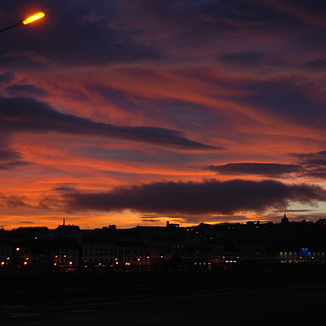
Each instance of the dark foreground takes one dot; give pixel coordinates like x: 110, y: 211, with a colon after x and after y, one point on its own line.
x: 255, y: 301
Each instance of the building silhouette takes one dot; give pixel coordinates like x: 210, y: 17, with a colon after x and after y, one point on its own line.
x: 201, y: 247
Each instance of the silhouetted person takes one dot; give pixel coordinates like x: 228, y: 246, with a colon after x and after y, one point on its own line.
x: 46, y: 277
x: 170, y: 266
x: 175, y: 263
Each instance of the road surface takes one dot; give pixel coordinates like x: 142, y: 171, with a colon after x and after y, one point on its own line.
x: 257, y: 304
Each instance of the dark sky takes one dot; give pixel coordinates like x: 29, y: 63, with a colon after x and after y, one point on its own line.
x: 137, y: 112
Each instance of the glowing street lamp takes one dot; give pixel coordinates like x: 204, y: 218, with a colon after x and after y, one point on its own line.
x: 26, y: 21
x: 33, y: 18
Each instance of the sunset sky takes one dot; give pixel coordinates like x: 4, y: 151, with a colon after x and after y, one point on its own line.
x: 135, y: 112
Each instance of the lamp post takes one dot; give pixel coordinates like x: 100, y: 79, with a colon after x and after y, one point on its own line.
x: 26, y: 21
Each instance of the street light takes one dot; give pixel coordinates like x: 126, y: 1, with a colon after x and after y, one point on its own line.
x: 26, y: 21
x: 33, y: 18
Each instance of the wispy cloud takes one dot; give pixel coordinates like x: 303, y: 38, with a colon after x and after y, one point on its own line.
x: 26, y: 90
x: 314, y: 164
x: 263, y: 169
x: 26, y: 114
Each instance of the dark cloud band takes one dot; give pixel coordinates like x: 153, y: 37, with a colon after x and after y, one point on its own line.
x: 26, y: 114
x: 210, y: 196
x: 263, y: 169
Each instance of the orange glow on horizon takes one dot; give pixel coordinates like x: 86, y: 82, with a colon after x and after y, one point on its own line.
x: 33, y: 18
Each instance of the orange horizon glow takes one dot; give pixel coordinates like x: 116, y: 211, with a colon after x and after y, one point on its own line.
x: 33, y: 18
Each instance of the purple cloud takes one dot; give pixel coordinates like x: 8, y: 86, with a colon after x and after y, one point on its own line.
x: 10, y: 159
x: 314, y: 164
x: 208, y: 197
x: 26, y: 90
x: 263, y: 169
x: 26, y: 114
x: 7, y: 77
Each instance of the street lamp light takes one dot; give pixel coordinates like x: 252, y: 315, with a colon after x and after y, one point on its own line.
x: 26, y: 21
x: 33, y: 18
